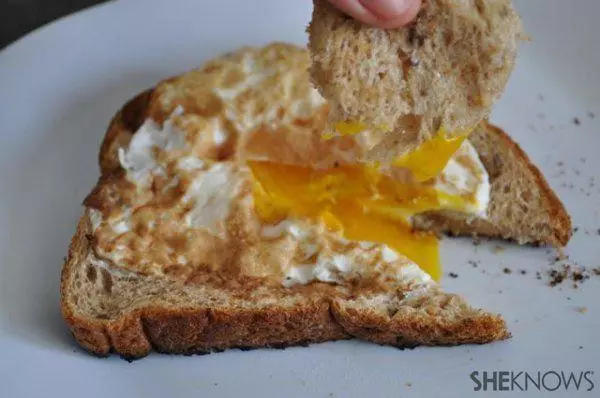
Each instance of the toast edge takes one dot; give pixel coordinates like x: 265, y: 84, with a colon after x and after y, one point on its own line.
x: 188, y: 331
x: 560, y: 219
x: 193, y: 330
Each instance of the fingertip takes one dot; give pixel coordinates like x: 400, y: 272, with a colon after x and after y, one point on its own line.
x: 380, y: 13
x: 402, y: 19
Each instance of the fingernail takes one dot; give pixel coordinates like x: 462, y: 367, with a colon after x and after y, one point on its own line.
x: 388, y: 9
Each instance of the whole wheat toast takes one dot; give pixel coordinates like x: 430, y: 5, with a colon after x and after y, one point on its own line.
x: 442, y: 72
x: 110, y: 308
x: 132, y: 314
x: 523, y: 207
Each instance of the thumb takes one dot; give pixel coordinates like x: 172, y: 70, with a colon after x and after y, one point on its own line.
x: 380, y: 13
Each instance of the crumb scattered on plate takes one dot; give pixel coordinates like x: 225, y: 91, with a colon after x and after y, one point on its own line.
x: 498, y: 249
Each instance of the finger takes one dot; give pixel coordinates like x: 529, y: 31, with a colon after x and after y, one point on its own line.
x: 381, y: 13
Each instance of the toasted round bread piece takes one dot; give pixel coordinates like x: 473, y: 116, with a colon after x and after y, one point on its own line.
x: 442, y: 72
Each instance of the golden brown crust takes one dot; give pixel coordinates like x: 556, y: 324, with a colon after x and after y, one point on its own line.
x: 188, y: 330
x: 406, y: 331
x: 560, y: 219
x: 558, y: 230
x: 191, y: 330
x: 134, y: 330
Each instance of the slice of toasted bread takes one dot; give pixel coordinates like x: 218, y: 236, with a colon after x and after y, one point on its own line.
x: 441, y: 73
x: 111, y: 310
x: 130, y: 310
x: 109, y: 307
x: 523, y: 207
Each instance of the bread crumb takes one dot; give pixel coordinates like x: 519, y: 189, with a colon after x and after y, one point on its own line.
x: 408, y: 384
x: 581, y: 347
x: 475, y: 264
x: 498, y: 249
x: 523, y: 272
x: 557, y: 277
x: 567, y: 272
x: 581, y: 310
x: 453, y: 275
x: 577, y: 121
x: 507, y: 271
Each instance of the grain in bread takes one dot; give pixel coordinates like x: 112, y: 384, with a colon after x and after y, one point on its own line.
x: 443, y: 72
x: 111, y: 308
x: 523, y: 206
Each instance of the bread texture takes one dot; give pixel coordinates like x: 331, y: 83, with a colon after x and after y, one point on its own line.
x: 131, y: 311
x: 110, y: 310
x: 441, y: 73
x: 523, y: 207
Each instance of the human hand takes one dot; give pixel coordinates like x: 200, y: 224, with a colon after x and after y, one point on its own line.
x: 380, y: 13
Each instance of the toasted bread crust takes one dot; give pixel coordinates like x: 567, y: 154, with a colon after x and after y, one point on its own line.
x: 191, y: 330
x: 203, y: 329
x: 411, y: 331
x: 559, y: 221
x: 133, y: 331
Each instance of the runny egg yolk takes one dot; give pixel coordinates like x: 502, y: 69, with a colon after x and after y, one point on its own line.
x: 426, y: 161
x: 357, y: 200
x: 429, y: 159
x: 350, y: 128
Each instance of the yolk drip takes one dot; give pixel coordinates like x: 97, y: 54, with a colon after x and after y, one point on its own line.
x: 350, y: 128
x: 357, y: 200
x: 426, y: 161
x: 429, y: 159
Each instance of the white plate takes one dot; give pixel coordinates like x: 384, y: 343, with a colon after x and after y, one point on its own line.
x: 60, y: 86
